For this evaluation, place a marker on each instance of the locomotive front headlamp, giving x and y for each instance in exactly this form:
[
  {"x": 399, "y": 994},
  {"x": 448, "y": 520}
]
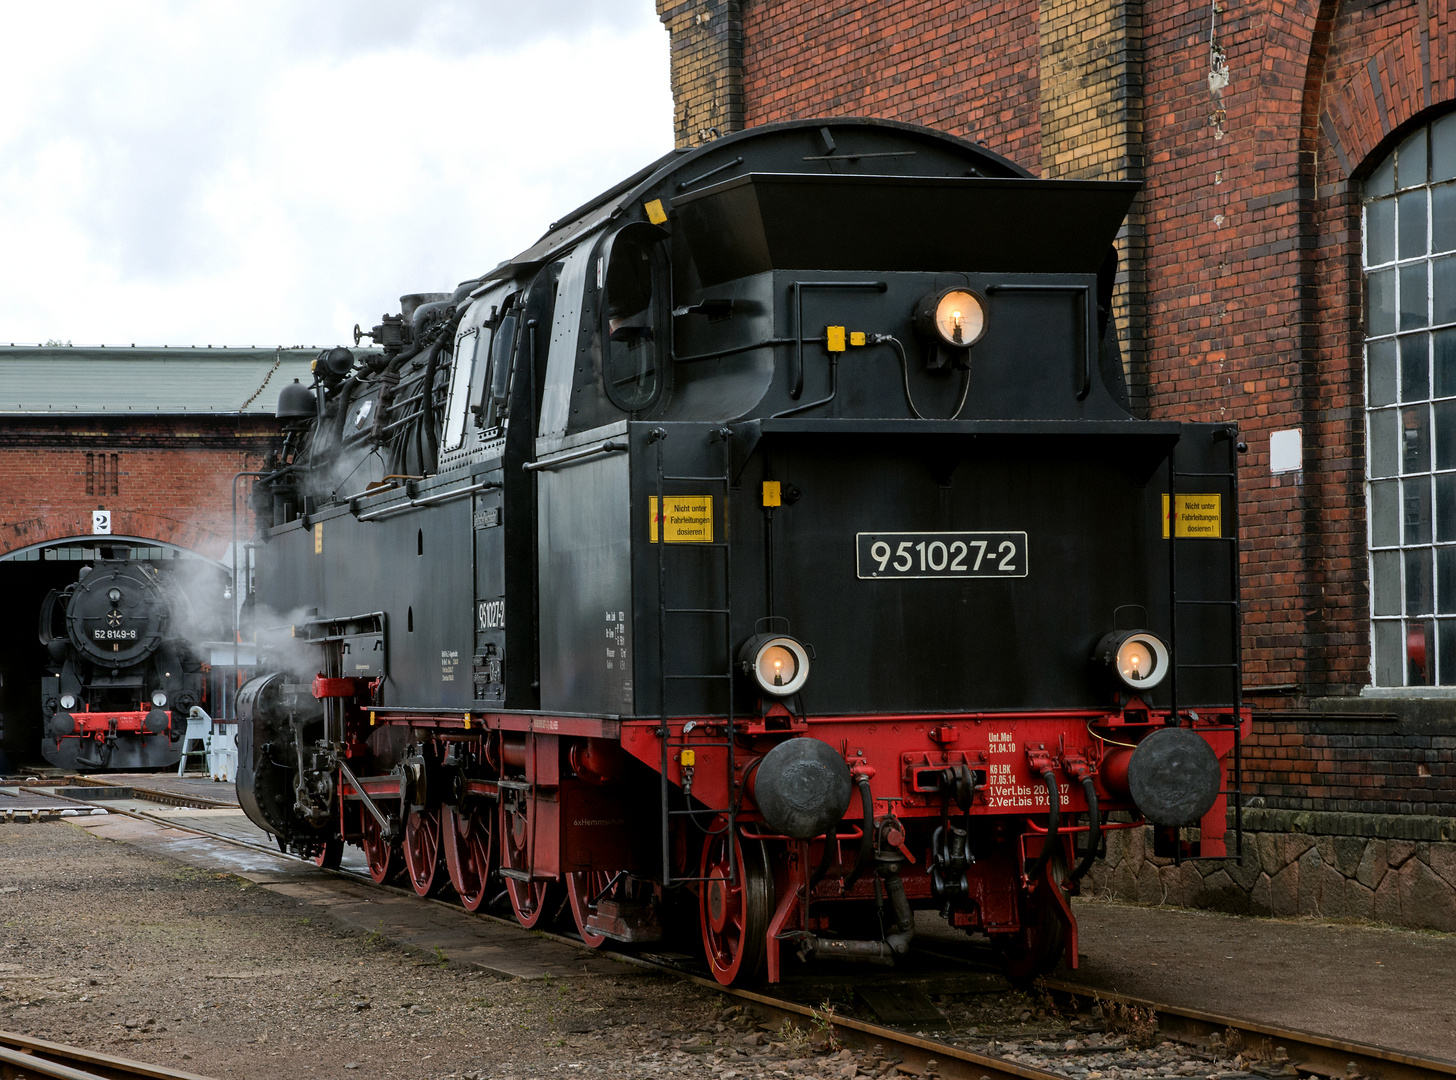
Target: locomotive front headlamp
[
  {"x": 777, "y": 663},
  {"x": 68, "y": 702},
  {"x": 159, "y": 699},
  {"x": 114, "y": 596},
  {"x": 1138, "y": 659},
  {"x": 955, "y": 317}
]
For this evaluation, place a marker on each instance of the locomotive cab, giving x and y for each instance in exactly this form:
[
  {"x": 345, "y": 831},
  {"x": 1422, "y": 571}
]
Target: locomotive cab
[{"x": 774, "y": 532}]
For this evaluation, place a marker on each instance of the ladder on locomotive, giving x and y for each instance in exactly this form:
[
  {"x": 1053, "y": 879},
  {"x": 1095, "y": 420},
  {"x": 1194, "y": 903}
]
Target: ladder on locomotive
[
  {"x": 1228, "y": 481},
  {"x": 667, "y": 615}
]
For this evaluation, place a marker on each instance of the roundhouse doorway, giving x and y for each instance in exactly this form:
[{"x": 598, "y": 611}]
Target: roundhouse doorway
[{"x": 27, "y": 575}]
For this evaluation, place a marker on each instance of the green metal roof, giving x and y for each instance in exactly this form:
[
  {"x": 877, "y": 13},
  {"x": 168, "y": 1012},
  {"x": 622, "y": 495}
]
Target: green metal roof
[{"x": 126, "y": 380}]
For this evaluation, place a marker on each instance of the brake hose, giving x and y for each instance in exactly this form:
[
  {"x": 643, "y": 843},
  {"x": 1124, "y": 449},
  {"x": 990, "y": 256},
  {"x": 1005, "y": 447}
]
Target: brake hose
[
  {"x": 867, "y": 840},
  {"x": 1054, "y": 824},
  {"x": 1094, "y": 830}
]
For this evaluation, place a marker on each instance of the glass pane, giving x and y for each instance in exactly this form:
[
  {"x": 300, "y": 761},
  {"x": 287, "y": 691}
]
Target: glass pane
[
  {"x": 1446, "y": 651},
  {"x": 1383, "y": 450},
  {"x": 1384, "y": 514},
  {"x": 1418, "y": 510},
  {"x": 1387, "y": 655},
  {"x": 1385, "y": 582},
  {"x": 1415, "y": 382},
  {"x": 1380, "y": 319},
  {"x": 1419, "y": 652},
  {"x": 1382, "y": 373},
  {"x": 1413, "y": 305},
  {"x": 1419, "y": 592},
  {"x": 1410, "y": 160},
  {"x": 1415, "y": 440},
  {"x": 1380, "y": 232},
  {"x": 1412, "y": 224},
  {"x": 1443, "y": 290},
  {"x": 1446, "y": 582},
  {"x": 1443, "y": 148},
  {"x": 1446, "y": 507},
  {"x": 1443, "y": 217},
  {"x": 1382, "y": 180},
  {"x": 1443, "y": 345},
  {"x": 1446, "y": 435}
]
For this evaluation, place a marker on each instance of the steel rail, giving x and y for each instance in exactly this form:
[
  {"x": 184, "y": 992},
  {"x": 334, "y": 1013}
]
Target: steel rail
[
  {"x": 1323, "y": 1054},
  {"x": 21, "y": 1055},
  {"x": 1329, "y": 1056}
]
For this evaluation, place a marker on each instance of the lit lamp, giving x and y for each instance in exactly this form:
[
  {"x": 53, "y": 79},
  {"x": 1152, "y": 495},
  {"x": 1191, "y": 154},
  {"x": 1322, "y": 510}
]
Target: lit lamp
[{"x": 949, "y": 323}]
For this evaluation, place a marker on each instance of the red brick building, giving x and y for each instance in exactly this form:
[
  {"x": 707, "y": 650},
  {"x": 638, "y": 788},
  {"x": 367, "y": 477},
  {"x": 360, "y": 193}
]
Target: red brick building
[
  {"x": 131, "y": 450},
  {"x": 1296, "y": 159}
]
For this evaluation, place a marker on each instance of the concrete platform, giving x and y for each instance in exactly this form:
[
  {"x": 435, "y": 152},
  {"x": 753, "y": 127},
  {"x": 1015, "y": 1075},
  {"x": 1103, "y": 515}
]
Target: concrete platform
[{"x": 1385, "y": 986}]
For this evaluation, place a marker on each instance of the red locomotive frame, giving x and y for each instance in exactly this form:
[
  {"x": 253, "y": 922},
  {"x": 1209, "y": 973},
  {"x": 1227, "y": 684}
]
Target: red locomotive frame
[{"x": 542, "y": 799}]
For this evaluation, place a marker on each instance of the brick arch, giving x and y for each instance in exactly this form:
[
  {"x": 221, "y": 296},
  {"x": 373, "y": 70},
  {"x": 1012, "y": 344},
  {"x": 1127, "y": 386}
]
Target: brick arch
[
  {"x": 1384, "y": 71},
  {"x": 204, "y": 539}
]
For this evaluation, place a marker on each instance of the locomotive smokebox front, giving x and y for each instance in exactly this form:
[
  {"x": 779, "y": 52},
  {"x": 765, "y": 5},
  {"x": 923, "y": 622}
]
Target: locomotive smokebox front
[{"x": 802, "y": 788}]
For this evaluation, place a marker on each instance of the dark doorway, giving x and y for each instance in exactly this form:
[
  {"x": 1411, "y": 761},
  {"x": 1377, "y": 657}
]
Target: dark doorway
[{"x": 26, "y": 576}]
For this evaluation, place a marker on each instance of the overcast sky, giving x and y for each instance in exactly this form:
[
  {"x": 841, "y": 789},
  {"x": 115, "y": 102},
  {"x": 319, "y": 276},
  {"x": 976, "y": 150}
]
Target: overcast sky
[{"x": 271, "y": 172}]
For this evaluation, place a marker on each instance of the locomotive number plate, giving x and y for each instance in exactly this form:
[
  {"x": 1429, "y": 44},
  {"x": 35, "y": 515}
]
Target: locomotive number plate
[{"x": 941, "y": 555}]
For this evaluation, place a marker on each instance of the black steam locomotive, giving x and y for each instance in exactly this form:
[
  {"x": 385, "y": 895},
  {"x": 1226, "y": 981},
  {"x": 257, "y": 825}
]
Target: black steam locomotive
[
  {"x": 771, "y": 535},
  {"x": 122, "y": 678}
]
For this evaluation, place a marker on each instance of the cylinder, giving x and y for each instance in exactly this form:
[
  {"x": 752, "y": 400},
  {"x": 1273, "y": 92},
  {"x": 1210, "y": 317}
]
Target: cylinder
[{"x": 513, "y": 750}]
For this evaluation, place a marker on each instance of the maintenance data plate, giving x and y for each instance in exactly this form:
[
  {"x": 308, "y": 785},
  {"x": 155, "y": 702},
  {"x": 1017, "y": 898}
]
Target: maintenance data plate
[{"x": 940, "y": 555}]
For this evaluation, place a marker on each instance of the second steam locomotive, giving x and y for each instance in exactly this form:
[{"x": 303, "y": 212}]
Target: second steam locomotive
[
  {"x": 772, "y": 537},
  {"x": 123, "y": 675}
]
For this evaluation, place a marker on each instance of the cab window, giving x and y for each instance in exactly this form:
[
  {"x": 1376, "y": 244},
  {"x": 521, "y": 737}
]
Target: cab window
[{"x": 630, "y": 270}]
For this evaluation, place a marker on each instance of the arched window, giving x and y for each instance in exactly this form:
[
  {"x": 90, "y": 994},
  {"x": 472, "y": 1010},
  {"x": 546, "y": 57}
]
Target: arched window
[{"x": 1410, "y": 366}]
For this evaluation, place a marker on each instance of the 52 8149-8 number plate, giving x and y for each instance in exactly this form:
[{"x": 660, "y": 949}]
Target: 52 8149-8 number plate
[{"x": 941, "y": 555}]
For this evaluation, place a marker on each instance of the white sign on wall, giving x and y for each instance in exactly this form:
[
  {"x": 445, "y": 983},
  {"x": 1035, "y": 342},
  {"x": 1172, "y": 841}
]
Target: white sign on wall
[
  {"x": 1286, "y": 452},
  {"x": 101, "y": 522}
]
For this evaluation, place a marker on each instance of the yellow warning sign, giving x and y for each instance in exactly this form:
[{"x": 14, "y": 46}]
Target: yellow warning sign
[
  {"x": 689, "y": 519},
  {"x": 1200, "y": 517}
]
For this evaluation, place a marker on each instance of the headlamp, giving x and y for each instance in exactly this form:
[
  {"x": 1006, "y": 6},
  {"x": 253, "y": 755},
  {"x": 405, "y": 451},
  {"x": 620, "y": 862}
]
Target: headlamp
[
  {"x": 955, "y": 317},
  {"x": 1137, "y": 659},
  {"x": 777, "y": 663},
  {"x": 68, "y": 702},
  {"x": 159, "y": 698}
]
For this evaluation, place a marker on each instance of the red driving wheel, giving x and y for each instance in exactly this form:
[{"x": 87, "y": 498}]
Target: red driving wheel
[
  {"x": 422, "y": 851},
  {"x": 735, "y": 907},
  {"x": 529, "y": 899},
  {"x": 380, "y": 853},
  {"x": 467, "y": 840}
]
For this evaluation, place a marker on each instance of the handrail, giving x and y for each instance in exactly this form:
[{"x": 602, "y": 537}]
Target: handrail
[
  {"x": 611, "y": 446},
  {"x": 429, "y": 500}
]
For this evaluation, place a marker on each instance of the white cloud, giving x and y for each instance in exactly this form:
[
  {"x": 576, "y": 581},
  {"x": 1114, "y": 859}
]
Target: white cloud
[{"x": 272, "y": 172}]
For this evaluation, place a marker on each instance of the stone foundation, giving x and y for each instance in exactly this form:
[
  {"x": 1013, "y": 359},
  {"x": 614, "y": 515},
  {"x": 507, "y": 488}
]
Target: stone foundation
[{"x": 1393, "y": 869}]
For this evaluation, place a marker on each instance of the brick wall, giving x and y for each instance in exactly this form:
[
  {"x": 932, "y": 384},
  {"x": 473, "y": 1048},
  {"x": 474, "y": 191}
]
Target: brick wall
[
  {"x": 170, "y": 482},
  {"x": 963, "y": 67},
  {"x": 706, "y": 66}
]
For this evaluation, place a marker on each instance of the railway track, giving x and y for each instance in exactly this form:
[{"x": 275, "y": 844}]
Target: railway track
[
  {"x": 1136, "y": 1026},
  {"x": 25, "y": 1058}
]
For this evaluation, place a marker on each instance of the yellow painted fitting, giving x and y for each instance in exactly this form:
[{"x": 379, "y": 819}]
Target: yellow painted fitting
[
  {"x": 772, "y": 496},
  {"x": 655, "y": 213},
  {"x": 856, "y": 337},
  {"x": 688, "y": 758},
  {"x": 834, "y": 338}
]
